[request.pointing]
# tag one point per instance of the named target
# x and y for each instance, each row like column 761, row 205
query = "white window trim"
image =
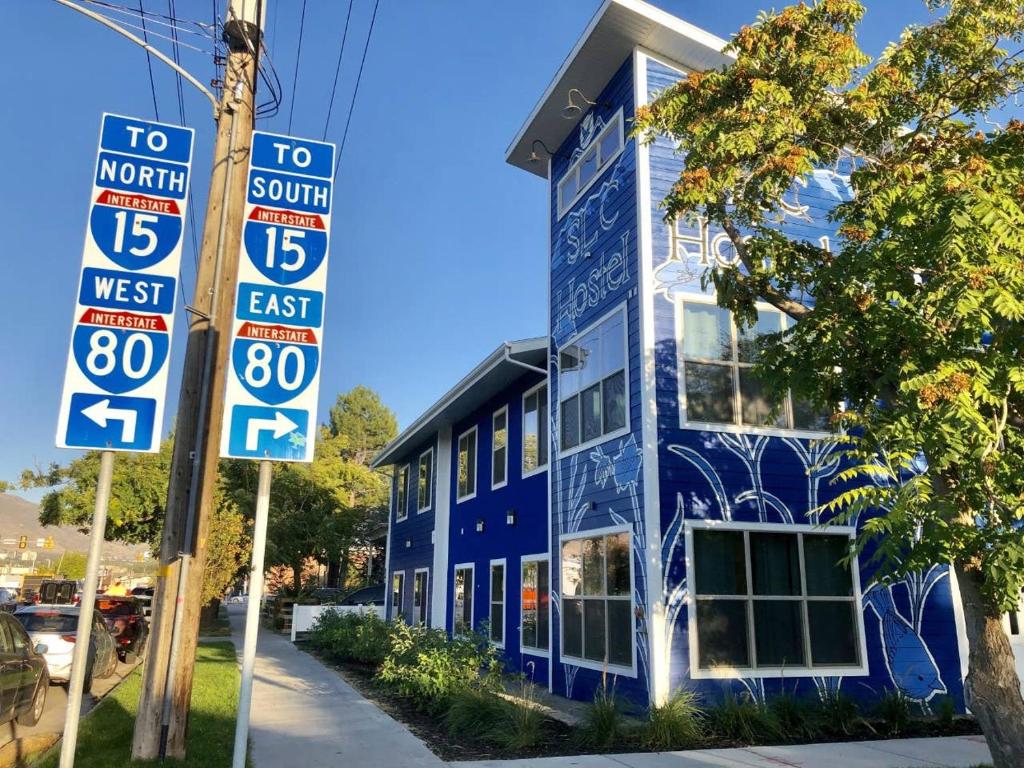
column 529, row 649
column 540, row 467
column 403, row 513
column 419, row 467
column 476, row 458
column 618, row 669
column 471, row 567
column 625, row 430
column 426, row 594
column 714, row 426
column 564, row 208
column 494, row 416
column 504, row 599
column 734, row 672
column 400, row 608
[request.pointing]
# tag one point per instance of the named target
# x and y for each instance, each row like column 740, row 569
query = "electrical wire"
column 295, row 76
column 182, row 25
column 355, row 91
column 149, row 65
column 337, row 70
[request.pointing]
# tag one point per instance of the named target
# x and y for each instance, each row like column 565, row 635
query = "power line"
column 337, row 70
column 355, row 92
column 295, row 77
column 149, row 64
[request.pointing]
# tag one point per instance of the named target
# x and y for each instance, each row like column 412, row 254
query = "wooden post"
column 210, row 323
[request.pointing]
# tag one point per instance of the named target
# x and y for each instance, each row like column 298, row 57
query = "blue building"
column 617, row 501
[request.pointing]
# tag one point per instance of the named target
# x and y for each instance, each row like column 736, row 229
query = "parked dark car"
column 126, row 622
column 54, row 632
column 57, row 592
column 23, row 674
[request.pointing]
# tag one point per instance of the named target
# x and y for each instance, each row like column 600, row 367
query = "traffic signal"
column 23, row 542
column 49, row 542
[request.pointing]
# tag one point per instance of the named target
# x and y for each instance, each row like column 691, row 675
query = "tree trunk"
column 992, row 687
column 297, row 578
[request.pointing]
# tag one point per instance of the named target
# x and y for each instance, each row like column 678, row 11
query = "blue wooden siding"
column 417, row 528
column 600, row 486
column 703, row 473
column 527, row 496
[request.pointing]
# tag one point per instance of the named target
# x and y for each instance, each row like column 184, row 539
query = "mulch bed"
column 561, row 739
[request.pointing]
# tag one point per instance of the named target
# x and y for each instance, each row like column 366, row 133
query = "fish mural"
column 911, row 666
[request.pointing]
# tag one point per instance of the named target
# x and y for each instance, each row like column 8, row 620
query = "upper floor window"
column 499, row 448
column 535, row 429
column 402, row 494
column 424, row 480
column 770, row 598
column 467, row 465
column 588, row 166
column 717, row 373
column 592, row 383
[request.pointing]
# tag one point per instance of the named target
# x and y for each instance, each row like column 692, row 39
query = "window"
column 535, row 430
column 535, row 604
column 397, row 594
column 467, row 465
column 597, row 606
column 718, row 377
column 424, row 480
column 419, row 596
column 497, row 615
column 588, row 166
column 401, row 496
column 592, row 383
column 771, row 598
column 499, row 448
column 462, row 608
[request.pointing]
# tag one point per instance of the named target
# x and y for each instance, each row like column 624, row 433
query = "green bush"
column 839, row 714
column 604, row 723
column 429, row 667
column 744, row 721
column 676, row 724
column 893, row 710
column 482, row 714
column 797, row 718
column 945, row 712
column 351, row 637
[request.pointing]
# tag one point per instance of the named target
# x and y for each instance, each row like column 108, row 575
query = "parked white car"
column 56, row 628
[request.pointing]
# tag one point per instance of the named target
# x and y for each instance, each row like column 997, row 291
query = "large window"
column 718, row 376
column 770, row 598
column 499, row 448
column 467, row 465
column 592, row 383
column 424, row 480
column 497, row 615
column 402, row 494
column 588, row 166
column 462, row 600
column 535, row 430
column 597, row 605
column 397, row 594
column 420, row 581
column 534, row 604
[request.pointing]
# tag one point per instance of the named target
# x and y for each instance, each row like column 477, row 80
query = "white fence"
column 303, row 616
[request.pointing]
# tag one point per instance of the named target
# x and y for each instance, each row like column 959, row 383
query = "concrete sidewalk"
column 953, row 752
column 304, row 714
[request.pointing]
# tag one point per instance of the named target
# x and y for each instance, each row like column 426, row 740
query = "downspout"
column 520, row 363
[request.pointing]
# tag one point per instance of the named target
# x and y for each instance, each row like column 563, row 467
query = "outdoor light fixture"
column 479, row 525
column 510, row 517
column 534, row 157
column 408, row 543
column 571, row 110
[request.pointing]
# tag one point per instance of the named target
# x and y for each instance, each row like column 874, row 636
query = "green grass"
column 105, row 736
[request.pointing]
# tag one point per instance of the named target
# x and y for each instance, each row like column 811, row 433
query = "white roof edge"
column 639, row 7
column 465, row 383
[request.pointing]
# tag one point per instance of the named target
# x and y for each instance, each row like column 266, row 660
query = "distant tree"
column 227, row 549
column 917, row 322
column 71, row 565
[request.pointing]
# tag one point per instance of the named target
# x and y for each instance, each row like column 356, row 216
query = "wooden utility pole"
column 162, row 719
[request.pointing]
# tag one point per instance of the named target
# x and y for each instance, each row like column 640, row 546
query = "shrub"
column 744, row 721
column 797, row 718
column 676, row 724
column 893, row 710
column 945, row 712
column 351, row 637
column 427, row 666
column 604, row 722
column 483, row 714
column 838, row 714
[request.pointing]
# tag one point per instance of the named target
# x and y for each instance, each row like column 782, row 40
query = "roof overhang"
column 616, row 29
column 509, row 362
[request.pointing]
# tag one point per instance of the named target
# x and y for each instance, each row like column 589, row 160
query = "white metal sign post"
column 274, row 379
column 116, row 376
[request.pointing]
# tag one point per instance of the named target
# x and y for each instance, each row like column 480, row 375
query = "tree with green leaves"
column 917, row 321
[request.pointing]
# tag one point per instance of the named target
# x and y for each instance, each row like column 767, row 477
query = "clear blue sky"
column 438, row 248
